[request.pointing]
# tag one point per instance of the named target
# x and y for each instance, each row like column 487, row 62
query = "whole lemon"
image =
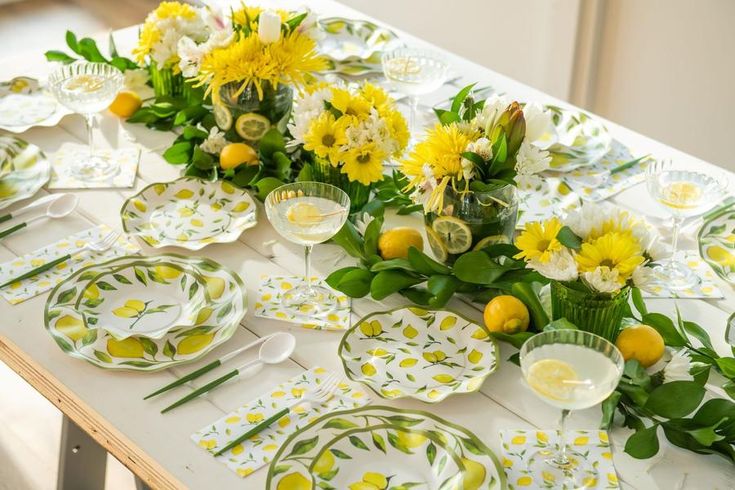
column 506, row 314
column 642, row 343
column 394, row 243
column 125, row 103
column 235, row 154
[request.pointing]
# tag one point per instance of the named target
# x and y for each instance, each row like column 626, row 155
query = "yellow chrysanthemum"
column 247, row 15
column 364, row 165
column 398, row 129
column 325, row 137
column 622, row 222
column 377, row 96
column 615, row 251
column 538, row 240
column 350, row 104
column 441, row 150
column 151, row 34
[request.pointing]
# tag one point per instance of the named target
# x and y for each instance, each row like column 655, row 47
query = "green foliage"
column 86, row 48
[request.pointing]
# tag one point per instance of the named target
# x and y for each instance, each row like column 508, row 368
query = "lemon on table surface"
column 394, row 243
column 222, row 117
column 454, row 233
column 125, row 104
column 551, row 378
column 437, row 245
column 642, row 343
column 236, row 154
column 506, row 314
column 304, row 213
column 252, row 126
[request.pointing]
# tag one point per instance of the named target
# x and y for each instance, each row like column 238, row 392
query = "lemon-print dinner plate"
column 353, row 39
column 418, row 353
column 24, row 104
column 717, row 243
column 83, row 337
column 384, row 447
column 25, row 169
column 581, row 139
column 189, row 213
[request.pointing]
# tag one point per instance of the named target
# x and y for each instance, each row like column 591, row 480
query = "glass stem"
column 413, row 115
column 307, row 261
column 90, row 132
column 561, row 457
column 675, row 241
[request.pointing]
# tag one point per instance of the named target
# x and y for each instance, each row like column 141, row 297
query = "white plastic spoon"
column 61, row 206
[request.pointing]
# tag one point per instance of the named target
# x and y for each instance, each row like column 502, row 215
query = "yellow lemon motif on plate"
column 215, row 206
column 140, row 205
column 159, row 188
column 474, row 474
column 408, row 362
column 131, row 309
column 607, row 455
column 254, row 418
column 128, row 348
column 377, row 352
column 417, row 311
column 479, row 334
column 227, row 188
column 390, row 393
column 443, row 378
column 203, row 315
column 270, row 447
column 721, row 255
column 589, row 482
column 448, row 323
column 371, row 481
column 507, row 463
column 184, row 194
column 278, row 394
column 411, row 440
column 215, row 286
column 548, row 477
column 371, row 329
column 368, row 369
column 166, row 272
column 298, row 392
column 37, row 262
column 542, row 437
column 194, row 343
column 71, row 327
column 612, row 478
column 197, row 222
column 183, row 237
column 294, row 481
column 524, row 481
column 240, row 207
column 518, row 440
column 410, row 332
column 92, row 292
column 434, row 357
column 433, row 394
column 475, row 356
column 285, row 286
column 284, row 422
column 325, row 463
column 581, row 441
column 474, row 383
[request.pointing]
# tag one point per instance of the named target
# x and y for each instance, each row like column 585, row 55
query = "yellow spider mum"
column 375, row 95
column 615, row 251
column 325, row 137
column 364, row 165
column 538, row 240
column 441, row 150
column 398, row 128
column 350, row 104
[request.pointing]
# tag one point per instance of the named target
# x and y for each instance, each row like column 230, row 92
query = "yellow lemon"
column 551, row 378
column 448, row 323
column 368, row 369
column 254, row 418
column 453, row 233
column 434, row 357
column 184, row 194
column 411, row 440
column 252, row 126
column 294, row 481
column 721, row 255
column 92, row 292
column 377, row 479
column 681, row 195
column 394, row 243
column 506, row 314
column 371, row 329
column 410, row 332
column 474, row 474
column 71, row 327
column 240, row 207
column 194, row 343
column 125, row 312
column 128, row 348
column 215, row 286
column 166, row 271
column 524, row 481
column 408, row 362
column 642, row 343
column 325, row 463
column 475, row 356
column 222, row 116
column 236, row 154
column 361, row 485
column 125, row 104
column 443, row 378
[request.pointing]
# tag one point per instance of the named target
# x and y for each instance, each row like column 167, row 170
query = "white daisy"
column 560, row 267
column 678, row 367
column 603, row 279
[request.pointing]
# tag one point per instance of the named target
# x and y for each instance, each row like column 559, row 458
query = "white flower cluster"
column 215, row 140
column 191, row 49
column 172, row 30
column 307, row 107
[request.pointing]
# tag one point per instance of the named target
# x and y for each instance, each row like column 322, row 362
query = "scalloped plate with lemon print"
column 353, row 39
column 77, row 336
column 383, row 447
column 717, row 243
column 581, row 139
column 26, row 170
column 189, row 212
column 418, row 353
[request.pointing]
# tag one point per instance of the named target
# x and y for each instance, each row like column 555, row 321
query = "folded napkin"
column 20, row 291
column 124, row 158
column 589, row 451
column 268, row 304
column 259, row 450
column 707, row 288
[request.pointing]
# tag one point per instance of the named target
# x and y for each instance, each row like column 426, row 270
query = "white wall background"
column 665, row 68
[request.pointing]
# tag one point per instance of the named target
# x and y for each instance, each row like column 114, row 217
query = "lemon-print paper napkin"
column 20, row 291
column 125, row 158
column 260, row 449
column 588, row 450
column 707, row 288
column 268, row 304
column 544, row 198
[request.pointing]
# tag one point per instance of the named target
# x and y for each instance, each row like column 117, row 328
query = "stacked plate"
column 580, row 140
column 145, row 313
column 384, row 447
column 717, row 242
column 24, row 169
column 354, row 47
column 24, row 104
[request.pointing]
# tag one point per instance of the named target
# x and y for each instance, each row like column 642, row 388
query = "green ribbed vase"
column 322, row 171
column 167, row 83
column 596, row 313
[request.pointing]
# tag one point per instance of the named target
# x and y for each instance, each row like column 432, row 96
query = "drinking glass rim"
column 285, row 187
column 61, row 73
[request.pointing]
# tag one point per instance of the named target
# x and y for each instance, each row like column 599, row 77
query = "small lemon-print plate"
column 418, row 353
column 189, row 212
column 84, row 337
column 717, row 243
column 582, row 139
column 353, row 39
column 24, row 104
column 384, row 447
column 24, row 167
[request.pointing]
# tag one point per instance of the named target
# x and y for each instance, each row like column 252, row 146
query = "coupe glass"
column 308, row 213
column 682, row 191
column 87, row 88
column 570, row 370
column 414, row 72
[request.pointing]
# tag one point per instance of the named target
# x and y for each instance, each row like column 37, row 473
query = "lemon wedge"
column 552, row 378
column 304, row 213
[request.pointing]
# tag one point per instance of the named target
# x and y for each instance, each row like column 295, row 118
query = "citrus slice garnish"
column 454, row 233
column 252, row 126
column 491, row 240
column 552, row 378
column 304, row 213
column 681, row 195
column 222, row 117
column 436, row 244
column 84, row 83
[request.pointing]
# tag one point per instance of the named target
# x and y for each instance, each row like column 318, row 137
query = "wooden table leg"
column 82, row 462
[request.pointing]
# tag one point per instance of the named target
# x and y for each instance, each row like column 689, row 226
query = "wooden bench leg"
column 82, row 462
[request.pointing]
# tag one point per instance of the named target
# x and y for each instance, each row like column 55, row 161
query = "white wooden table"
column 157, row 448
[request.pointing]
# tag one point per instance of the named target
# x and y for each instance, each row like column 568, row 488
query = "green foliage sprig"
column 87, row 49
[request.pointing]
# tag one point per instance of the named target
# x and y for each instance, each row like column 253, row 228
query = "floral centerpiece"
column 592, row 261
column 465, row 171
column 348, row 133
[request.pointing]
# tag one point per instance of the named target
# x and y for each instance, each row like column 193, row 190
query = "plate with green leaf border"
column 418, row 353
column 189, row 212
column 353, row 39
column 368, row 447
column 81, row 340
column 26, row 170
column 580, row 139
column 145, row 299
column 24, row 103
column 716, row 241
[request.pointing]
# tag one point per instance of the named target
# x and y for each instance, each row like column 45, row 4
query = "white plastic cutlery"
column 60, row 206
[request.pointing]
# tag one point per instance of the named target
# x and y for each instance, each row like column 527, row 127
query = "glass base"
column 561, row 474
column 675, row 275
column 93, row 168
column 313, row 300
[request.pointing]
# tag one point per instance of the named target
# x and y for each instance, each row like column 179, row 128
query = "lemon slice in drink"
column 552, row 378
column 252, row 126
column 681, row 195
column 222, row 117
column 436, row 244
column 491, row 240
column 455, row 234
column 304, row 213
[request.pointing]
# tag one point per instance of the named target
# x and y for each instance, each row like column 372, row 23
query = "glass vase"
column 274, row 105
column 323, row 171
column 489, row 217
column 167, row 83
column 598, row 313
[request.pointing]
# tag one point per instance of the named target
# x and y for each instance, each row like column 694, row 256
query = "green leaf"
column 458, row 99
column 384, row 265
column 169, row 350
column 350, row 240
column 638, row 302
column 560, row 324
column 303, row 447
column 271, row 142
column 665, row 326
column 339, row 423
column 431, row 453
column 643, row 444
column 516, row 339
column 676, row 399
column 67, row 295
column 726, row 365
column 528, row 295
column 477, row 268
column 378, row 441
column 121, row 279
column 355, row 282
column 202, row 160
column 71, row 41
column 608, row 409
column 149, row 346
column 245, row 175
column 264, row 186
column 441, row 288
column 698, row 333
column 192, row 132
column 88, row 49
column 178, row 153
column 386, row 283
column 423, row 264
column 102, row 356
column 568, row 238
column 357, row 442
column 340, row 454
column 54, row 55
column 370, row 239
